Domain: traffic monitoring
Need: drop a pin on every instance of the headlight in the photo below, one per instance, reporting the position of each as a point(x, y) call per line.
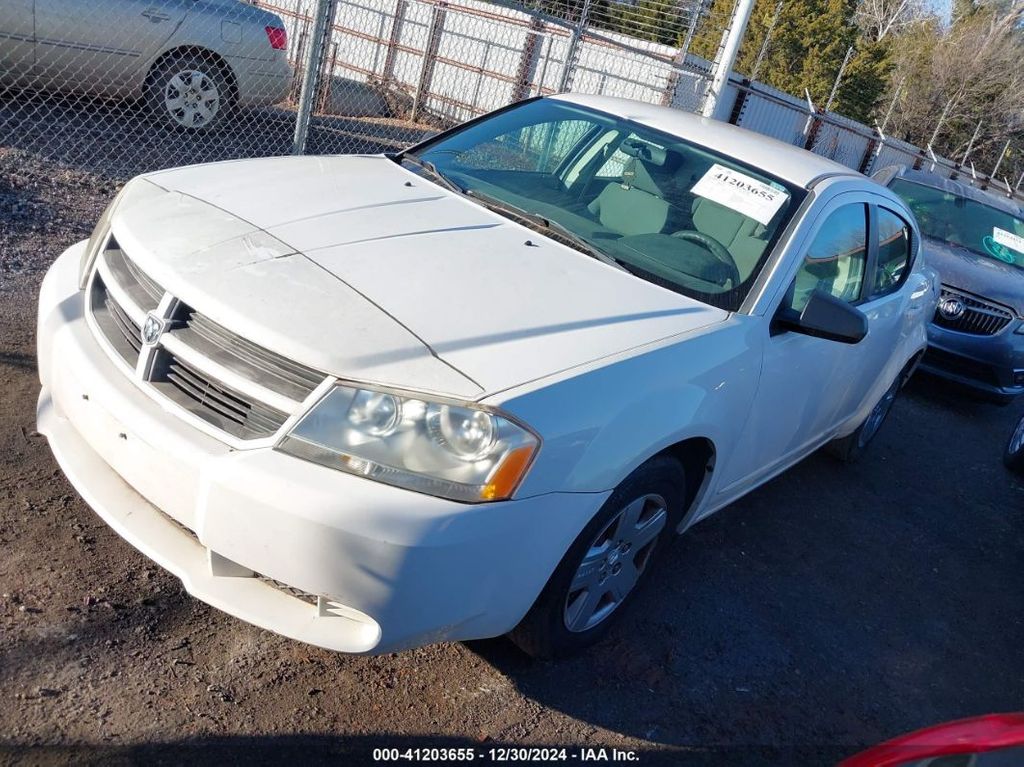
point(446, 449)
point(96, 242)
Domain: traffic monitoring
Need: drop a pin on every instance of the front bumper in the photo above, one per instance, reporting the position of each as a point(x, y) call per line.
point(992, 365)
point(376, 568)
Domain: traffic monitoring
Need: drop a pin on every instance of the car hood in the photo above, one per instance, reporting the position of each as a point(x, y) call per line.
point(986, 277)
point(364, 269)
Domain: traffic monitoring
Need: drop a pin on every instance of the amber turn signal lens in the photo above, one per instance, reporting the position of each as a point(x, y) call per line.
point(505, 478)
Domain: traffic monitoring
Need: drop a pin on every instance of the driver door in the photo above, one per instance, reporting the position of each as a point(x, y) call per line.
point(806, 382)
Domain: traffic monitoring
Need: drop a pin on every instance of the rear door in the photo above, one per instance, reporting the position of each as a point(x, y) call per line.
point(17, 40)
point(101, 46)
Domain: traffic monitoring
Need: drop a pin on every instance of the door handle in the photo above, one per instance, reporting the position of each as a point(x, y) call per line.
point(155, 15)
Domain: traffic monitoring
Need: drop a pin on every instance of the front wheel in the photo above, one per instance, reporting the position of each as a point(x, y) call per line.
point(1013, 456)
point(606, 563)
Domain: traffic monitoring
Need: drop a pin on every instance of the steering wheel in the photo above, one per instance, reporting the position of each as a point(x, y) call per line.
point(716, 249)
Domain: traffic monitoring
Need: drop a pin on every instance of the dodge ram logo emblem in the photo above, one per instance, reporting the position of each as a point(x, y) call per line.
point(952, 308)
point(152, 329)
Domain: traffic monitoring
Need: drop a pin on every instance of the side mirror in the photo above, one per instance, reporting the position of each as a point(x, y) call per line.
point(826, 316)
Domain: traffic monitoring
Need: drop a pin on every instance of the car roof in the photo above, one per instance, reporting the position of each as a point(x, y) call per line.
point(790, 163)
point(960, 189)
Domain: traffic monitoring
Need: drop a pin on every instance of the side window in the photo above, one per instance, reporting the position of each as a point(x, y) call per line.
point(836, 260)
point(893, 253)
point(538, 148)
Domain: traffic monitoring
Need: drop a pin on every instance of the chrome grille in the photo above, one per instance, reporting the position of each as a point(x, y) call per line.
point(225, 408)
point(274, 371)
point(981, 318)
point(145, 293)
point(122, 331)
point(241, 388)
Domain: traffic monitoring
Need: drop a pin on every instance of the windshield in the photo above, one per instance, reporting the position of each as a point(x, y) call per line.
point(969, 224)
point(682, 216)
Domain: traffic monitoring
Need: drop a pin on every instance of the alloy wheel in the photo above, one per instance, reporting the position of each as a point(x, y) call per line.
point(877, 416)
point(1017, 439)
point(614, 562)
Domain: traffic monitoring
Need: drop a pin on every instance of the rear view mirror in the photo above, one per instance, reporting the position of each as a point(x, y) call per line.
point(828, 317)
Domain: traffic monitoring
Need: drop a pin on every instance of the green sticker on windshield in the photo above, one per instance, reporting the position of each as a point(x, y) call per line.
point(1008, 239)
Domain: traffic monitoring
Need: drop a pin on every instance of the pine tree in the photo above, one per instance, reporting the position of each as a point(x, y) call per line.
point(805, 51)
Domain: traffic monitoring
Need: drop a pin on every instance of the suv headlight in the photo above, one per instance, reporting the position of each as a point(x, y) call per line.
point(457, 451)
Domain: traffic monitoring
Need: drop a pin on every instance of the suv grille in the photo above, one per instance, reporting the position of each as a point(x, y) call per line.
point(980, 317)
point(239, 387)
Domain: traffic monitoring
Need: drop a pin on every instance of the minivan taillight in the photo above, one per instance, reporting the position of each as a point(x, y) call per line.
point(278, 37)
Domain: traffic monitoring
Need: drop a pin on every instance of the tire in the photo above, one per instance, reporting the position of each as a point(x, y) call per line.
point(851, 448)
point(189, 91)
point(1013, 456)
point(578, 606)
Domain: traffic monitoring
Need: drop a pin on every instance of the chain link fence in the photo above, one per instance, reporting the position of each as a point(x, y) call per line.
point(119, 87)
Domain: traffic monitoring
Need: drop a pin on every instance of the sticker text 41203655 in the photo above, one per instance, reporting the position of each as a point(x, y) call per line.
point(744, 194)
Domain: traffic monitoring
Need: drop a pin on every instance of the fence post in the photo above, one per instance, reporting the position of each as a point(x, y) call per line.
point(938, 125)
point(813, 124)
point(569, 66)
point(742, 94)
point(839, 78)
point(542, 78)
point(763, 51)
point(1002, 156)
point(317, 47)
point(871, 152)
point(668, 96)
point(437, 14)
point(970, 144)
point(528, 60)
point(394, 36)
point(726, 58)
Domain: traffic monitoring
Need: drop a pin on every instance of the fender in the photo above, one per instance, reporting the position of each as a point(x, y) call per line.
point(701, 385)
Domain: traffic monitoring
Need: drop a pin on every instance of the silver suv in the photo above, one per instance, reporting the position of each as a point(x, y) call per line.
point(191, 60)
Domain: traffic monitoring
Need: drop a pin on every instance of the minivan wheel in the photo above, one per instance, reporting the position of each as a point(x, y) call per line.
point(606, 563)
point(1013, 456)
point(189, 91)
point(851, 447)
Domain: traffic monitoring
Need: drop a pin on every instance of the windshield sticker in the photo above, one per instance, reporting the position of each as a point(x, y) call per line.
point(746, 195)
point(1008, 239)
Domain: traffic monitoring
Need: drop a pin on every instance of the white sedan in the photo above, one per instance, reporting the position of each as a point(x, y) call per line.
point(372, 402)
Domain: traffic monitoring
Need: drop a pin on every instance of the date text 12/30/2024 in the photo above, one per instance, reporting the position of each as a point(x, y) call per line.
point(504, 754)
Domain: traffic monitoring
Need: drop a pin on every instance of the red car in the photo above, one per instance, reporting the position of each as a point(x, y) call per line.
point(996, 740)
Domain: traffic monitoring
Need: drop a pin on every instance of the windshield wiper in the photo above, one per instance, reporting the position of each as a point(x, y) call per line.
point(430, 168)
point(538, 221)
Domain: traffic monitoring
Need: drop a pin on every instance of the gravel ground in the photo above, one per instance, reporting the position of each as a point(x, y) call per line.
point(116, 139)
point(832, 608)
